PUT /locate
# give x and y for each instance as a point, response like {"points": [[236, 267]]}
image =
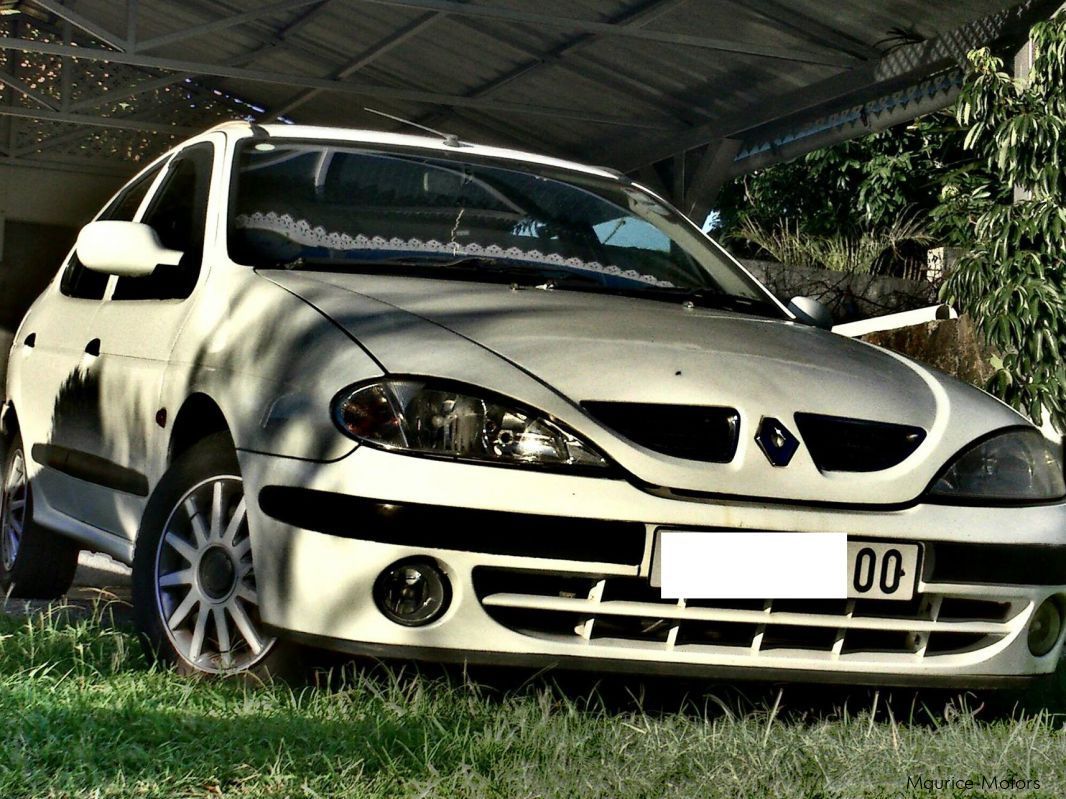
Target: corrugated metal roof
{"points": [[623, 82]]}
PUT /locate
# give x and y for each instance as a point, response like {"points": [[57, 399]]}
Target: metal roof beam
{"points": [[96, 121], [365, 58], [22, 88], [864, 120], [278, 38], [132, 19], [342, 87], [713, 170], [80, 165], [893, 71], [84, 23], [632, 32], [222, 24], [124, 94], [813, 30], [640, 16]]}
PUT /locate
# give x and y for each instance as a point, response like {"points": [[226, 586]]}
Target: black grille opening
{"points": [[536, 622], [505, 581], [839, 444], [716, 633], [959, 609], [631, 589], [941, 643], [693, 432], [632, 628], [913, 608], [856, 640], [780, 636]]}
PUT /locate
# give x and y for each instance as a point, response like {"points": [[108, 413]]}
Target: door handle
{"points": [[93, 348], [31, 341]]}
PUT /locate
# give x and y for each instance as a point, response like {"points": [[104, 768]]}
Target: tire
{"points": [[194, 595], [35, 563]]}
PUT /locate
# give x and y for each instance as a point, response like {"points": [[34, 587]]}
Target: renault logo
{"points": [[776, 442]]}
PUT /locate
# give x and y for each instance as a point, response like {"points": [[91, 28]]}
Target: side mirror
{"points": [[126, 249], [809, 311]]}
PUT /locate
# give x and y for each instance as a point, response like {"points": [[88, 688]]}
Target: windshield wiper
{"points": [[716, 298]]}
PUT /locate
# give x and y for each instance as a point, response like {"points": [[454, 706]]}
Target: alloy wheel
{"points": [[205, 582], [13, 510]]}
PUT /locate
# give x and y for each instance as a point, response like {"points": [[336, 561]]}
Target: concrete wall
{"points": [[41, 211], [52, 196], [32, 253]]}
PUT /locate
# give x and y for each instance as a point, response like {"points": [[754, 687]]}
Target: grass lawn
{"points": [[81, 715]]}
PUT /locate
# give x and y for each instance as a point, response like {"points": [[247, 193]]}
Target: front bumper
{"points": [[576, 608]]}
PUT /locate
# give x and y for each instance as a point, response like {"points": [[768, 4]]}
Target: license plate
{"points": [[775, 565]]}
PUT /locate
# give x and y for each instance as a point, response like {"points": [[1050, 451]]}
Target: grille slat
{"points": [[661, 611], [626, 611]]}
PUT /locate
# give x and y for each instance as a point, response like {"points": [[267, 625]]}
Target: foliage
{"points": [[857, 251], [861, 184], [1012, 277]]}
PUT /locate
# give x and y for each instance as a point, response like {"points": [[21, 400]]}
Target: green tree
{"points": [[862, 185], [1012, 277]]}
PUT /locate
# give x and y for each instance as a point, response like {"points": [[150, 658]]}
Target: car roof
{"points": [[321, 133]]}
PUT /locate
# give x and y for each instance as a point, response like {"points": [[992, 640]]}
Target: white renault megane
{"points": [[408, 397]]}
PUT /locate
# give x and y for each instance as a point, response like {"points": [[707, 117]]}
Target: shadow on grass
{"points": [[98, 748], [699, 699]]}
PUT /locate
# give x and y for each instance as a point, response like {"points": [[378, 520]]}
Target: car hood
{"points": [[557, 349]]}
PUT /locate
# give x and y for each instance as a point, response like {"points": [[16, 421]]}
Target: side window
{"points": [[85, 284], [177, 213]]}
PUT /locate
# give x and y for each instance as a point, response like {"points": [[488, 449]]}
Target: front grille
{"points": [[628, 611], [838, 444], [693, 432]]}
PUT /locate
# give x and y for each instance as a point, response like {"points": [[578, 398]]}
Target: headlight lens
{"points": [[415, 416], [1015, 466]]}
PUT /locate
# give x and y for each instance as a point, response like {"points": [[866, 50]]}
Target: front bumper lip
{"points": [[523, 660]]}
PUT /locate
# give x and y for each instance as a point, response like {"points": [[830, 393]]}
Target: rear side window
{"points": [[178, 214], [86, 284]]}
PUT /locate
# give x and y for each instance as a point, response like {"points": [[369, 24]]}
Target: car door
{"points": [[60, 387], [136, 328]]}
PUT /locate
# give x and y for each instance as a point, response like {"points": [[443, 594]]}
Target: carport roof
{"points": [[101, 85]]}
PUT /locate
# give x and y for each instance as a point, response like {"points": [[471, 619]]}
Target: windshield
{"points": [[343, 207]]}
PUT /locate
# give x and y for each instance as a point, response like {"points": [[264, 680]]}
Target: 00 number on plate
{"points": [[882, 571]]}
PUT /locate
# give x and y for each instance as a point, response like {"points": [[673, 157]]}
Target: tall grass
{"points": [[853, 252], [82, 715]]}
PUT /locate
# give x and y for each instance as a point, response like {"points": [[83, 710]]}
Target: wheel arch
{"points": [[9, 428], [199, 417]]}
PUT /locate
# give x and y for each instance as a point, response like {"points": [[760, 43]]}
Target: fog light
{"points": [[1045, 627], [412, 592]]}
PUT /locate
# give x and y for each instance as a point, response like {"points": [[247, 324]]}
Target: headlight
{"points": [[1015, 466], [418, 417]]}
